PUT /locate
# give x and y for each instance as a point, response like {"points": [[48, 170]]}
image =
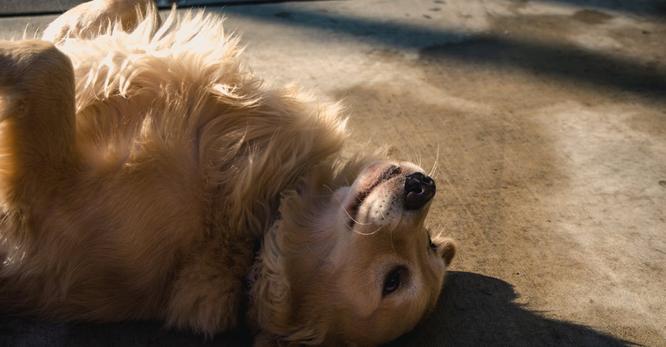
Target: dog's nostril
{"points": [[413, 183], [419, 189], [428, 181]]}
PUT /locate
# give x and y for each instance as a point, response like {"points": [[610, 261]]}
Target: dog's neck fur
{"points": [[294, 245]]}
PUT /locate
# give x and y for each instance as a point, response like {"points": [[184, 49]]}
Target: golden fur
{"points": [[140, 162]]}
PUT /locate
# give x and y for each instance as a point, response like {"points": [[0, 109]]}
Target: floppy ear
{"points": [[446, 248], [271, 301], [270, 292]]}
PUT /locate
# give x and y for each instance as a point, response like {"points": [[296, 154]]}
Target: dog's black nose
{"points": [[419, 189]]}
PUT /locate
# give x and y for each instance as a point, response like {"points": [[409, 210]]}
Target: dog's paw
{"points": [[36, 77], [88, 19]]}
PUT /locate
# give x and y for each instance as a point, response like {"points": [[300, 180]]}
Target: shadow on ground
{"points": [[552, 58], [560, 62], [649, 8], [474, 310], [477, 310]]}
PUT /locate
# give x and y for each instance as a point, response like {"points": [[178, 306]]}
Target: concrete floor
{"points": [[547, 120]]}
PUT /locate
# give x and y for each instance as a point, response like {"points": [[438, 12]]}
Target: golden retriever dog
{"points": [[145, 173]]}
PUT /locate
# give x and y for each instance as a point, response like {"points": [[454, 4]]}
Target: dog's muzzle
{"points": [[419, 189]]}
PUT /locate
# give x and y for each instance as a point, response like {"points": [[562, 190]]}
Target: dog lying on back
{"points": [[141, 164]]}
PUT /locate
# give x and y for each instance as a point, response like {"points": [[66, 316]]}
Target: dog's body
{"points": [[136, 180]]}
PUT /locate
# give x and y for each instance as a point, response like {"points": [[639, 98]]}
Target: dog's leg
{"points": [[37, 147], [209, 289], [88, 19]]}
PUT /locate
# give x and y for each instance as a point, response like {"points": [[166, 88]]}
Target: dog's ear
{"points": [[271, 303], [269, 293], [445, 247]]}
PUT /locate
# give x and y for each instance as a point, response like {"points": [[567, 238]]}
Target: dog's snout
{"points": [[419, 189]]}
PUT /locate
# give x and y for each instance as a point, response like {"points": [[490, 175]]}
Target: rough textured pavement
{"points": [[548, 123]]}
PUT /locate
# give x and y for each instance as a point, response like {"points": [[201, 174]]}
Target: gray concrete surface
{"points": [[547, 120], [14, 7], [39, 7]]}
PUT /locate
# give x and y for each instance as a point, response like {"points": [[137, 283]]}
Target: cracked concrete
{"points": [[547, 124]]}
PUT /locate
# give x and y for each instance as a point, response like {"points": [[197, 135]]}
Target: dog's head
{"points": [[351, 263]]}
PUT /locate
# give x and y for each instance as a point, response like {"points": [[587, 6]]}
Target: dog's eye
{"points": [[393, 280]]}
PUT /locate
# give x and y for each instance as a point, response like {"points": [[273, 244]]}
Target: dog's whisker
{"points": [[355, 231], [352, 218], [368, 233], [416, 156], [435, 163]]}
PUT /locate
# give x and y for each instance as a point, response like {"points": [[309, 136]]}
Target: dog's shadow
{"points": [[474, 310], [477, 310]]}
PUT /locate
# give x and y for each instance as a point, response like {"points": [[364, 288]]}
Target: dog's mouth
{"points": [[389, 173]]}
